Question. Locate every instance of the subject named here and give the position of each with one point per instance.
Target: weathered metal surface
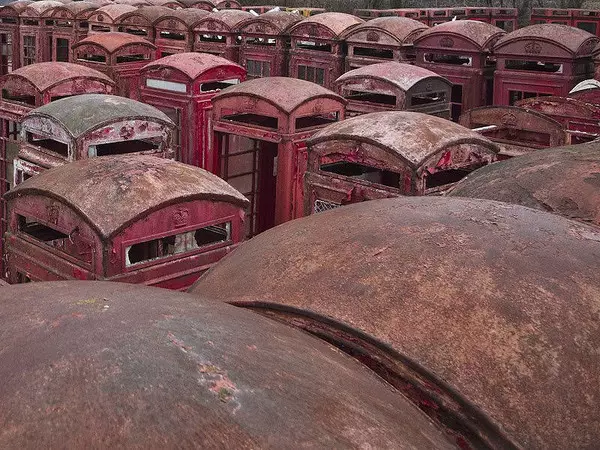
(559, 180)
(83, 113)
(168, 370)
(331, 25)
(192, 65)
(226, 20)
(483, 313)
(74, 10)
(272, 23)
(112, 42)
(173, 4)
(181, 21)
(136, 3)
(37, 9)
(479, 34)
(141, 21)
(206, 5)
(285, 94)
(401, 30)
(109, 14)
(410, 136)
(112, 191)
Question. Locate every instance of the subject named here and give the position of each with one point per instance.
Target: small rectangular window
(172, 35)
(29, 50)
(218, 85)
(379, 53)
(455, 60)
(124, 147)
(100, 28)
(166, 85)
(211, 38)
(317, 120)
(47, 143)
(264, 42)
(315, 46)
(362, 172)
(314, 74)
(92, 58)
(258, 69)
(371, 97)
(39, 231)
(62, 50)
(177, 244)
(254, 119)
(6, 53)
(535, 66)
(132, 58)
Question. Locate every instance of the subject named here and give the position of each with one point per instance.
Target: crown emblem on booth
(533, 48)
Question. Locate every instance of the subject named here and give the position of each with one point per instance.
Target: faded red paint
(203, 76)
(141, 21)
(174, 32)
(68, 27)
(105, 206)
(35, 33)
(9, 33)
(218, 33)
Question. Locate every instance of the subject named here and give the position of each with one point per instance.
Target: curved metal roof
(278, 20)
(403, 76)
(413, 137)
(17, 6)
(115, 10)
(229, 18)
(574, 40)
(75, 9)
(192, 64)
(585, 84)
(189, 16)
(113, 41)
(111, 192)
(149, 14)
(81, 113)
(105, 364)
(486, 309)
(192, 3)
(404, 29)
(286, 94)
(136, 3)
(335, 22)
(563, 180)
(38, 8)
(43, 76)
(481, 34)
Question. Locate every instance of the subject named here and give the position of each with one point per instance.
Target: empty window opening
(62, 50)
(9, 20)
(362, 172)
(135, 31)
(48, 144)
(318, 120)
(132, 58)
(536, 66)
(31, 22)
(89, 57)
(218, 85)
(258, 69)
(425, 98)
(590, 27)
(22, 278)
(177, 244)
(212, 38)
(100, 28)
(18, 98)
(312, 45)
(372, 97)
(506, 25)
(519, 137)
(64, 23)
(445, 177)
(163, 54)
(123, 147)
(268, 42)
(314, 74)
(166, 85)
(456, 60)
(456, 96)
(39, 231)
(515, 96)
(172, 35)
(6, 53)
(254, 119)
(84, 25)
(29, 47)
(374, 52)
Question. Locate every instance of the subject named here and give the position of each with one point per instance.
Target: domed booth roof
(412, 137)
(401, 29)
(46, 75)
(562, 180)
(285, 94)
(271, 23)
(37, 9)
(193, 65)
(112, 12)
(547, 40)
(104, 364)
(14, 8)
(187, 16)
(113, 41)
(332, 24)
(126, 188)
(74, 10)
(483, 313)
(480, 36)
(227, 20)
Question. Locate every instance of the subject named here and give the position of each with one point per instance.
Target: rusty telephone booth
(205, 5)
(86, 126)
(318, 52)
(35, 32)
(172, 4)
(382, 39)
(461, 52)
(70, 26)
(10, 48)
(505, 18)
(264, 50)
(118, 55)
(175, 31)
(219, 33)
(182, 87)
(141, 21)
(105, 19)
(388, 154)
(394, 86)
(134, 219)
(260, 128)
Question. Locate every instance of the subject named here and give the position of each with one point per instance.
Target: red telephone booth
(261, 9)
(388, 154)
(182, 86)
(86, 126)
(318, 51)
(136, 3)
(264, 51)
(105, 19)
(173, 4)
(70, 26)
(550, 15)
(260, 131)
(586, 19)
(227, 4)
(460, 51)
(219, 33)
(175, 31)
(10, 47)
(540, 60)
(505, 18)
(516, 130)
(206, 5)
(118, 55)
(141, 21)
(382, 39)
(35, 32)
(394, 86)
(134, 219)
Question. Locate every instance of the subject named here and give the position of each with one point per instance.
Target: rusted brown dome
(563, 180)
(486, 314)
(109, 365)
